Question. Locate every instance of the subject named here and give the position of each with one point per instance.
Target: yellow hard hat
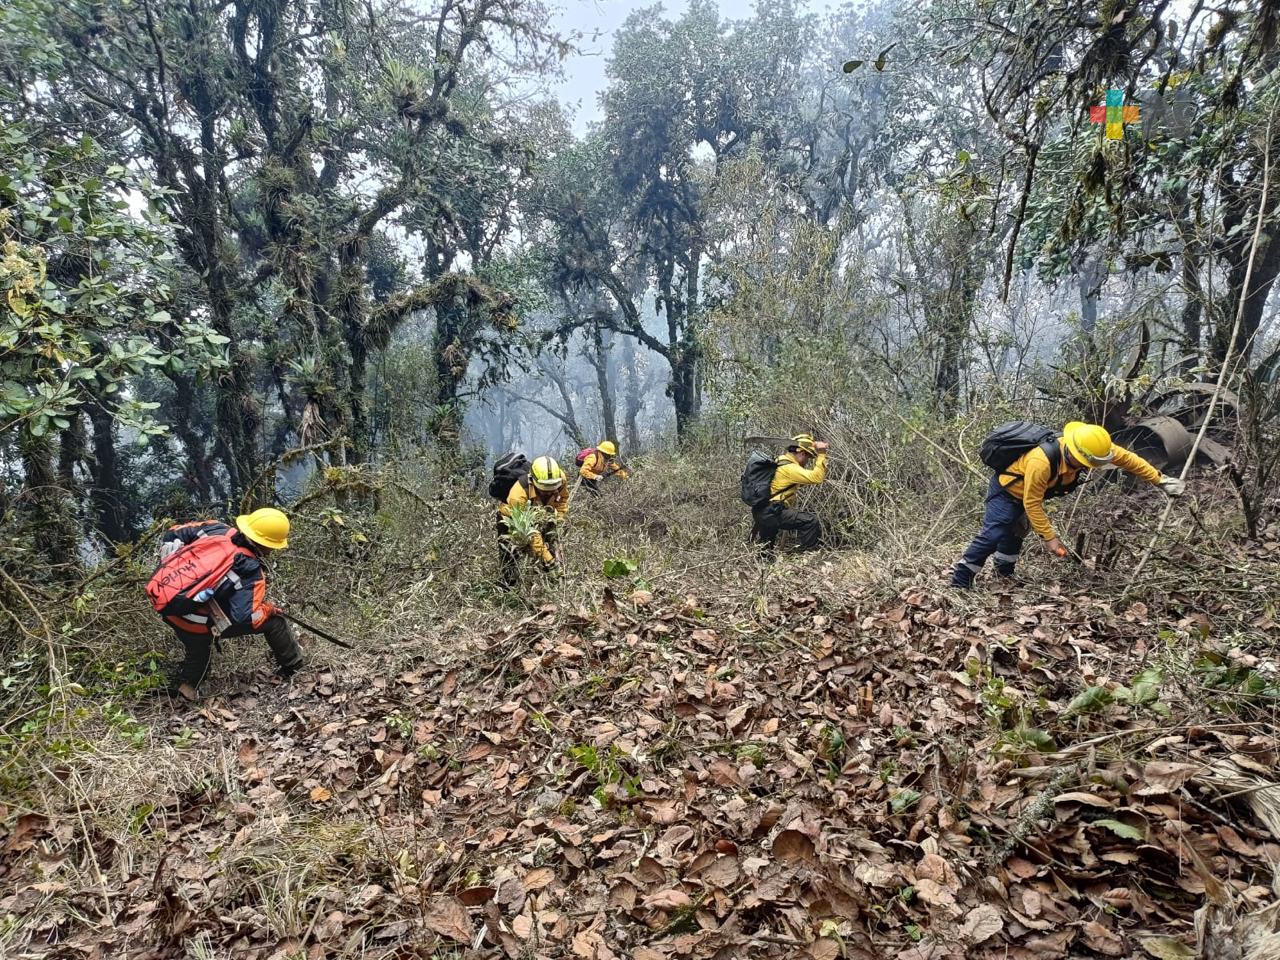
(608, 448)
(267, 527)
(547, 474)
(1089, 443)
(804, 442)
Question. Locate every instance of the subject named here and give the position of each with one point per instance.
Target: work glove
(1056, 548)
(820, 446)
(271, 610)
(1172, 486)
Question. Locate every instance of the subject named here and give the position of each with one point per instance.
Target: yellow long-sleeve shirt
(1031, 478)
(791, 475)
(598, 466)
(522, 495)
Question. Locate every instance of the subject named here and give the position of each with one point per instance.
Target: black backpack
(1007, 442)
(511, 468)
(757, 480)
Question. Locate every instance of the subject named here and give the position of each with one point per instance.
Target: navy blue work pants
(1004, 527)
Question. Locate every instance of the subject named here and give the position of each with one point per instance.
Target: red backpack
(201, 565)
(584, 454)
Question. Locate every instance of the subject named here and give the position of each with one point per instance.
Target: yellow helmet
(267, 527)
(608, 448)
(804, 442)
(1089, 443)
(547, 474)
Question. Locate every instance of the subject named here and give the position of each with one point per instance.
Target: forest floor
(803, 761)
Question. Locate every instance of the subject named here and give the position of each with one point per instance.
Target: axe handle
(317, 631)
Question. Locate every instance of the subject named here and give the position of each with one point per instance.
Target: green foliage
(617, 567)
(1090, 700)
(1223, 674)
(904, 799)
(606, 768)
(83, 281)
(1122, 830)
(526, 521)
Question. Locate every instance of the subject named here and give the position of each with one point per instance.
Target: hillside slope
(809, 766)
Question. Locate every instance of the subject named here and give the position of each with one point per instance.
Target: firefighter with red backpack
(598, 463)
(1032, 464)
(211, 583)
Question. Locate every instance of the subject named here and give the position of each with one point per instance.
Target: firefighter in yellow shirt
(600, 464)
(543, 487)
(1016, 495)
(804, 463)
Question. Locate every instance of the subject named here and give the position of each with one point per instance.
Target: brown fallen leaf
(537, 879)
(983, 923)
(447, 917)
(522, 927)
(933, 893)
(792, 846)
(1167, 948)
(824, 948)
(936, 868)
(1089, 799)
(1101, 940)
(723, 872)
(1165, 776)
(320, 795)
(672, 899)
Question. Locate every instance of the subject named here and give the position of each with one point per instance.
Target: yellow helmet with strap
(608, 448)
(546, 474)
(1089, 443)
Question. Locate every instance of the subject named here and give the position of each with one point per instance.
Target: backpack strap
(787, 489)
(1052, 452)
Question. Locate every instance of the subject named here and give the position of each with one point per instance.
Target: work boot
(285, 672)
(284, 646)
(962, 576)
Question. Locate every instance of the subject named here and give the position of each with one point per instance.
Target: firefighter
(599, 464)
(804, 463)
(1016, 495)
(211, 583)
(544, 486)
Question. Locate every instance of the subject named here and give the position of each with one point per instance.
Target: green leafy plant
(605, 767)
(904, 800)
(617, 567)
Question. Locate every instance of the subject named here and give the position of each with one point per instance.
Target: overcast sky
(598, 20)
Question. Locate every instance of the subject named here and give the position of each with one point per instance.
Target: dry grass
(412, 579)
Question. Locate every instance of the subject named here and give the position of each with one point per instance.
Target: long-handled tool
(317, 631)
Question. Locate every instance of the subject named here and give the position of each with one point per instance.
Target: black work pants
(774, 517)
(199, 648)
